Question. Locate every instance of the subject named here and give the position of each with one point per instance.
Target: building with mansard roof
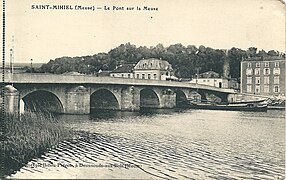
(155, 69)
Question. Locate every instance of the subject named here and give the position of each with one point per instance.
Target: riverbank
(28, 136)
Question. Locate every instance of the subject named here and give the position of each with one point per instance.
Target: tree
(262, 53)
(235, 56)
(251, 52)
(272, 53)
(184, 60)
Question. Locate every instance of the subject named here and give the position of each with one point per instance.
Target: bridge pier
(168, 99)
(130, 99)
(77, 101)
(11, 100)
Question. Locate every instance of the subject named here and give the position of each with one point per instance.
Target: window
(143, 76)
(276, 64)
(149, 76)
(266, 71)
(167, 74)
(257, 80)
(266, 64)
(276, 79)
(249, 65)
(137, 76)
(128, 75)
(266, 89)
(248, 71)
(112, 75)
(257, 89)
(257, 64)
(155, 76)
(122, 75)
(276, 89)
(249, 88)
(257, 71)
(266, 80)
(204, 80)
(249, 80)
(276, 71)
(208, 80)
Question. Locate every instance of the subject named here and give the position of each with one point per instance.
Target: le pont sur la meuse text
(92, 8)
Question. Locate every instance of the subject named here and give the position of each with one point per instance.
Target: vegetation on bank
(185, 60)
(29, 136)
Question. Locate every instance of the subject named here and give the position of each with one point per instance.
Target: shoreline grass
(28, 136)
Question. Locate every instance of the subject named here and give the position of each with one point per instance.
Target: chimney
(226, 65)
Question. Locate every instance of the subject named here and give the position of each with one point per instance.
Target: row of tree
(184, 60)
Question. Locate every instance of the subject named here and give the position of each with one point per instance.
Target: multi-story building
(152, 68)
(263, 76)
(211, 78)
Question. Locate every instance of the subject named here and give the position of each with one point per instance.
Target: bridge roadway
(77, 94)
(37, 78)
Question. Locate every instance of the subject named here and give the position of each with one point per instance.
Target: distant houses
(259, 75)
(123, 71)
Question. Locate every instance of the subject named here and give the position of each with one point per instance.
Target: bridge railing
(38, 78)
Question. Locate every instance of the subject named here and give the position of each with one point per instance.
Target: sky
(42, 35)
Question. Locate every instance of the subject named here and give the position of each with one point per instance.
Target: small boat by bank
(282, 108)
(253, 106)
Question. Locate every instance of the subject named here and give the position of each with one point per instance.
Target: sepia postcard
(145, 89)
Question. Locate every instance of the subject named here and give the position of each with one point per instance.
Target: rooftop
(125, 68)
(153, 64)
(209, 74)
(272, 58)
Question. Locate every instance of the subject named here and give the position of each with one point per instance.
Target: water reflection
(170, 144)
(103, 115)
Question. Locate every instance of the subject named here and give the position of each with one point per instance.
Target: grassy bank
(29, 136)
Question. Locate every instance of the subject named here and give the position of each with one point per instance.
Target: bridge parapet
(77, 94)
(38, 78)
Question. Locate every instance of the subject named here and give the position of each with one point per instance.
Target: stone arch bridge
(79, 94)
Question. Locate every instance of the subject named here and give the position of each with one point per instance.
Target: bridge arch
(149, 98)
(103, 99)
(181, 98)
(41, 100)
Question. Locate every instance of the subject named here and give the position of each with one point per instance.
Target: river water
(168, 144)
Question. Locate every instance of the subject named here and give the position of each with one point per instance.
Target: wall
(152, 73)
(212, 82)
(122, 75)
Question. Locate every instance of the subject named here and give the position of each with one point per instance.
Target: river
(167, 144)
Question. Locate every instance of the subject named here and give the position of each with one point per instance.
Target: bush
(28, 136)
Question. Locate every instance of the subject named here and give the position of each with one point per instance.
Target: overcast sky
(46, 34)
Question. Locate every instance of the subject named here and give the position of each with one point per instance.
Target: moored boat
(245, 106)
